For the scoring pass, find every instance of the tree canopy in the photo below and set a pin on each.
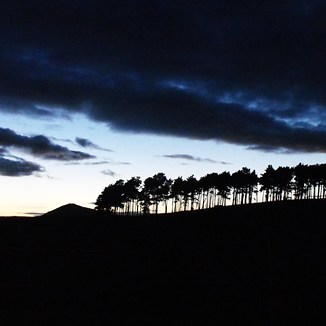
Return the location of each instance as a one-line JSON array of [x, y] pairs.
[[241, 187]]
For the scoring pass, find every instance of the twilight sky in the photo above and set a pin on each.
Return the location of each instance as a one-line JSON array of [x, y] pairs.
[[95, 91]]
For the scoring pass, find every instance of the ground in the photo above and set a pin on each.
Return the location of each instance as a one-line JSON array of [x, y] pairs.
[[258, 264]]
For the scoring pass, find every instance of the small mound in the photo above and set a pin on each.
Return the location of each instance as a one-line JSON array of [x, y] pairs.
[[69, 211]]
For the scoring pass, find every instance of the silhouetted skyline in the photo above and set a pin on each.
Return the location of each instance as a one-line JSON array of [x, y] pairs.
[[94, 91], [159, 193]]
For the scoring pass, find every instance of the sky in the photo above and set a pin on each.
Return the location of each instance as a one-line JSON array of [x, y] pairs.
[[96, 91]]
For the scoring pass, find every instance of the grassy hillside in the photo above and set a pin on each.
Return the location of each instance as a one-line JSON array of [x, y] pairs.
[[259, 265]]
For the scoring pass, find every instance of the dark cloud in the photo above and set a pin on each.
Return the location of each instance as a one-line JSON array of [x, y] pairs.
[[39, 146], [190, 158], [18, 167], [30, 108], [83, 142], [32, 214], [269, 149], [110, 173], [245, 72]]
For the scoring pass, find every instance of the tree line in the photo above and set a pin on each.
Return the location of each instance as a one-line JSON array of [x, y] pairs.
[[244, 186]]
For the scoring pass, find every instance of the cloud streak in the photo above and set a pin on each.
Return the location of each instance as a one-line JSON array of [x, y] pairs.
[[98, 163], [109, 173], [188, 157], [228, 71], [86, 143], [39, 146]]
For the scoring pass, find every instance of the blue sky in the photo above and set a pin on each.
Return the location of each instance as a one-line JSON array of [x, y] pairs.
[[132, 155], [93, 91]]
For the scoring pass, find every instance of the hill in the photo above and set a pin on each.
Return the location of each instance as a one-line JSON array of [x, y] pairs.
[[69, 212], [256, 264]]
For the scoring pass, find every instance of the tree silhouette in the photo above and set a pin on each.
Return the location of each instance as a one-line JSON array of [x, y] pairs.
[[236, 183], [166, 192], [131, 194], [267, 181], [244, 183], [160, 189], [176, 193], [301, 181], [284, 183], [156, 189], [193, 188], [213, 182], [112, 197], [147, 194], [322, 181], [189, 191], [204, 188], [315, 179], [223, 186]]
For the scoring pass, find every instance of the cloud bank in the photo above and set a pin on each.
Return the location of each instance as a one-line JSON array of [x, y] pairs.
[[39, 146], [18, 167], [243, 72]]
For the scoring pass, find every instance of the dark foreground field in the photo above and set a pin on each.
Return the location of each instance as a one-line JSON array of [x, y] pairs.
[[252, 265]]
